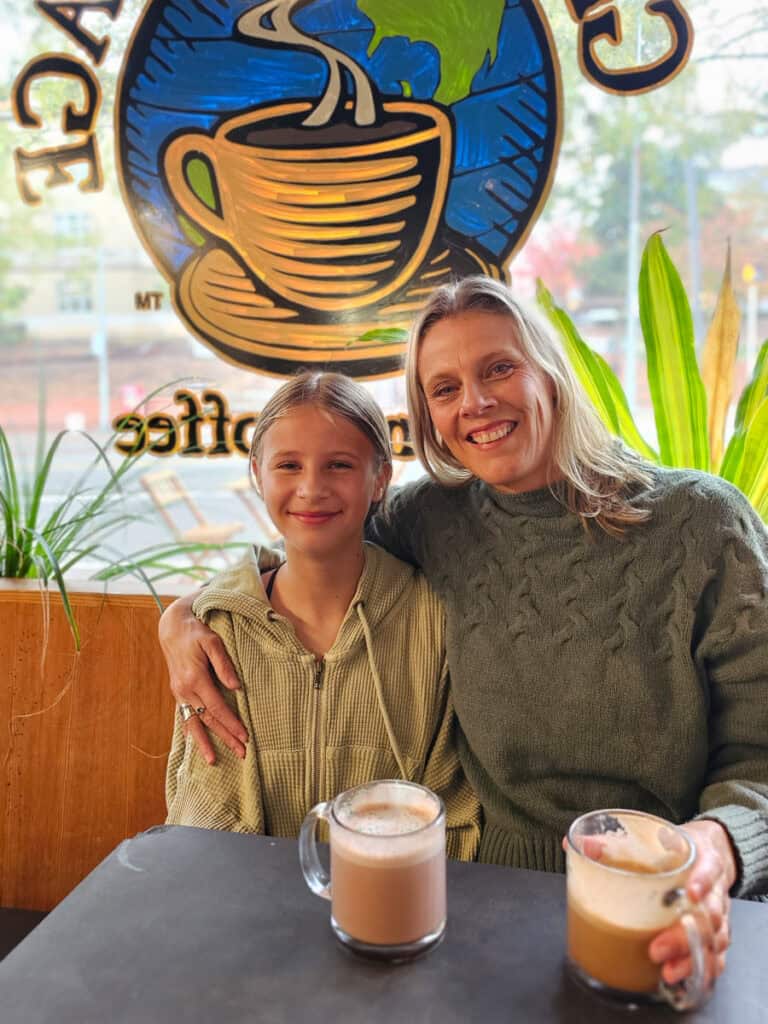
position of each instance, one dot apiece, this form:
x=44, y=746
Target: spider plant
x=690, y=406
x=47, y=547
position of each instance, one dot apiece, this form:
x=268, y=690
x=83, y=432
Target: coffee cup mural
x=310, y=171
x=331, y=218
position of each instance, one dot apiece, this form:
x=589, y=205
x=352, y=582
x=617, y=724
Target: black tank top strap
x=271, y=582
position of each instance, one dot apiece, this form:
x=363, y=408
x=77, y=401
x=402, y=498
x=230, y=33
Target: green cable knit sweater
x=594, y=672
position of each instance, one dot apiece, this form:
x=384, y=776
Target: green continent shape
x=462, y=32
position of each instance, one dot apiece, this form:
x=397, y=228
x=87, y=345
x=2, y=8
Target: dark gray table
x=184, y=925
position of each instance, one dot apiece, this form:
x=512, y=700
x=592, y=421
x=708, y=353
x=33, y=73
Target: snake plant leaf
x=752, y=476
x=677, y=391
x=734, y=453
x=596, y=376
x=754, y=393
x=718, y=360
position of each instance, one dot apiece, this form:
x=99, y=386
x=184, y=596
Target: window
x=74, y=295
x=72, y=224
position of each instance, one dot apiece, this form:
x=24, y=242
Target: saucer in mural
x=247, y=324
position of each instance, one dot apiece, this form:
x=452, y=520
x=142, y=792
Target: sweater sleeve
x=396, y=529
x=225, y=795
x=732, y=653
x=443, y=774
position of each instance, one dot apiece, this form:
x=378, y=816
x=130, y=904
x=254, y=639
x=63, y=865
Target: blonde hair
x=336, y=394
x=595, y=473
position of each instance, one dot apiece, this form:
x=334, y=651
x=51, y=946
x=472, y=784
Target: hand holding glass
x=627, y=873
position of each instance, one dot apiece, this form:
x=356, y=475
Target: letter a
x=67, y=16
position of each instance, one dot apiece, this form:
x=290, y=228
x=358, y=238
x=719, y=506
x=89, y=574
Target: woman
x=607, y=625
x=339, y=647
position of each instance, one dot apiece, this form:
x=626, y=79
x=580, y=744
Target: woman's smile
x=485, y=437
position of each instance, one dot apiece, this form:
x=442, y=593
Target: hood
x=382, y=586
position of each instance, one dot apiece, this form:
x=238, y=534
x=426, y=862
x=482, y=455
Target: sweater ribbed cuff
x=748, y=831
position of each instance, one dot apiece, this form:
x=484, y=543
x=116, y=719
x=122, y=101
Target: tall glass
x=387, y=884
x=627, y=873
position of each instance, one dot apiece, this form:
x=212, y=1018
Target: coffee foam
x=387, y=832
x=390, y=819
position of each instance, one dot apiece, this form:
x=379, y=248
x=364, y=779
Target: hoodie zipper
x=317, y=686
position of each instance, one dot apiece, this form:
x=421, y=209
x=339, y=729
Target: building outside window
x=74, y=295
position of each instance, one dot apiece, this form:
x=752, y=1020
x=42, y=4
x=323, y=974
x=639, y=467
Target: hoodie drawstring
x=380, y=691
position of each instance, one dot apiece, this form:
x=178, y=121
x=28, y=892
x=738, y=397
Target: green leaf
x=752, y=476
x=734, y=453
x=383, y=335
x=53, y=568
x=677, y=391
x=597, y=378
x=754, y=393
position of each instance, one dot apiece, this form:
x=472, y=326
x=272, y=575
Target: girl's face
x=318, y=476
x=493, y=409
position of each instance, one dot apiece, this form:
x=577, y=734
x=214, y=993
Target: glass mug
x=627, y=873
x=387, y=884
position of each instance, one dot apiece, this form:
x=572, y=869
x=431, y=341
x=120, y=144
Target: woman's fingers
x=194, y=653
x=225, y=724
x=220, y=662
x=195, y=728
x=221, y=721
x=671, y=947
x=674, y=971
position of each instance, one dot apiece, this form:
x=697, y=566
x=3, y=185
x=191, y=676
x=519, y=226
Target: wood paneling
x=83, y=737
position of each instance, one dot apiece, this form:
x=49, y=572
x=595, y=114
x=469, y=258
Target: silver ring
x=187, y=711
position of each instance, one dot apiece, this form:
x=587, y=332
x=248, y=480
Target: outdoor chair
x=168, y=493
x=244, y=490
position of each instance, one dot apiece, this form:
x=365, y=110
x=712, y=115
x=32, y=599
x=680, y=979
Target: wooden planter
x=83, y=737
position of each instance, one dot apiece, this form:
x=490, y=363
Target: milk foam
x=389, y=819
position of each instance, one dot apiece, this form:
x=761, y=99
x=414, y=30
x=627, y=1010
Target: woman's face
x=318, y=475
x=493, y=409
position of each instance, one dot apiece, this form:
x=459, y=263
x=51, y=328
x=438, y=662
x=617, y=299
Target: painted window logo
x=304, y=172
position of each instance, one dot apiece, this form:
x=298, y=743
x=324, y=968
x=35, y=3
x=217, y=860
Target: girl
x=339, y=648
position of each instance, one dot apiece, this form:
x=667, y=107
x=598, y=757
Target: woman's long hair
x=594, y=474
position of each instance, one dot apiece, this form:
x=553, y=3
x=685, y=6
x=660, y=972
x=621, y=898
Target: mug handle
x=173, y=162
x=315, y=875
x=691, y=991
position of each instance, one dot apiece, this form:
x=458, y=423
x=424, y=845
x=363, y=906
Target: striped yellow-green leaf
x=754, y=393
x=597, y=378
x=734, y=453
x=718, y=361
x=677, y=392
x=752, y=476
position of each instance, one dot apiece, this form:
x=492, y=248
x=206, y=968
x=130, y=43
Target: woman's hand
x=194, y=654
x=712, y=876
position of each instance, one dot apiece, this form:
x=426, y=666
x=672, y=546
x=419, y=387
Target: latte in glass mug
x=387, y=884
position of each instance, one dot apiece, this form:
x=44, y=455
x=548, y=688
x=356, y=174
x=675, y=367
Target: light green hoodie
x=376, y=706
